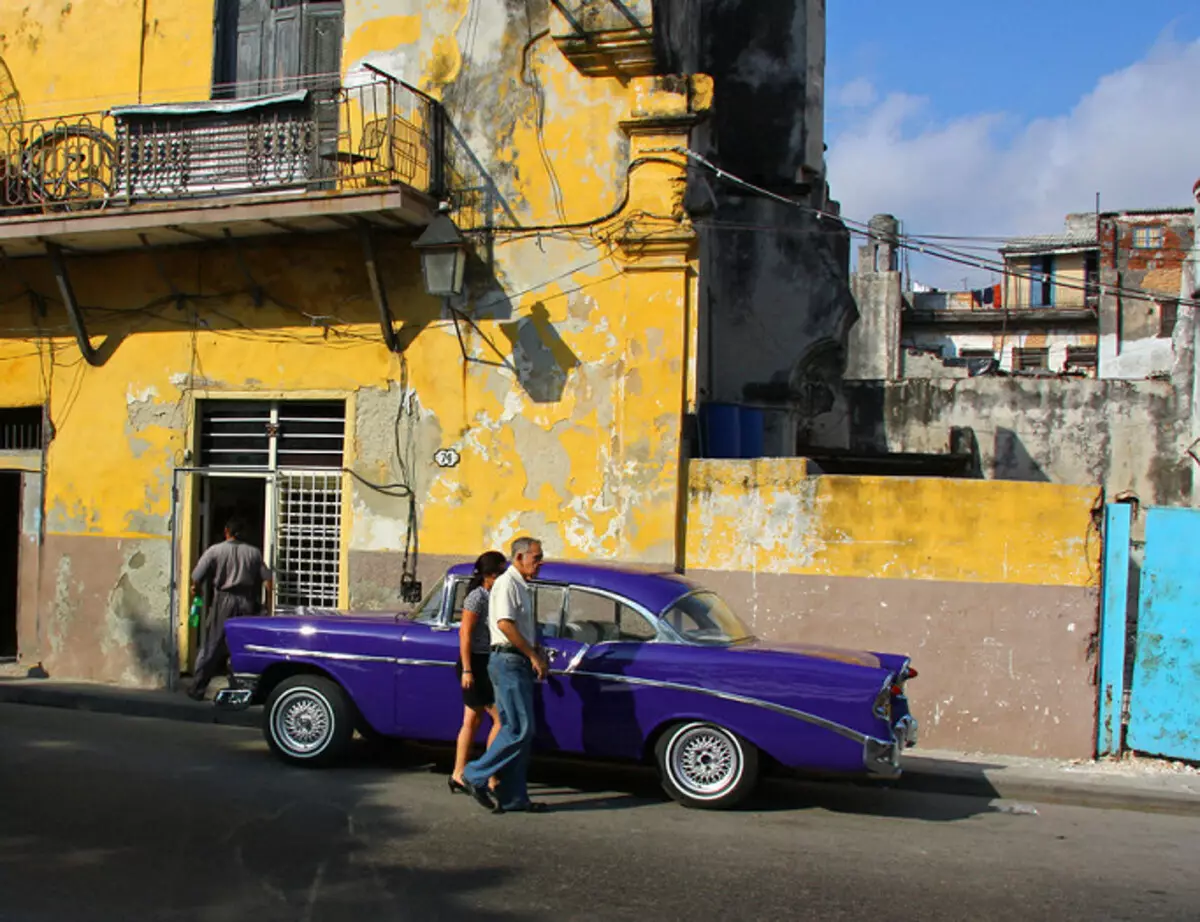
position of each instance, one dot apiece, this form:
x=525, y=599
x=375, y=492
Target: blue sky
x=987, y=118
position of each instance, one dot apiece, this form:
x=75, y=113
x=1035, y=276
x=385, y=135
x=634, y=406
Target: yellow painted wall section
x=770, y=516
x=87, y=55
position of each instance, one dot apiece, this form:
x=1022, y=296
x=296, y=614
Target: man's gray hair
x=524, y=545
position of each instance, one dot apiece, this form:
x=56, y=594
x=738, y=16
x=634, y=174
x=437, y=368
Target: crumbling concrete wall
x=991, y=588
x=1121, y=435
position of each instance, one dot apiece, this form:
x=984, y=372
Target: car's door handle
x=552, y=654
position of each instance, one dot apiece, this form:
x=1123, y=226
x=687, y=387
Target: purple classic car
x=644, y=666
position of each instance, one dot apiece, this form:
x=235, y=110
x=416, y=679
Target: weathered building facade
x=213, y=304
x=1040, y=385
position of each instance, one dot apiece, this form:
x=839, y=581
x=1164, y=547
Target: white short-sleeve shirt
x=509, y=600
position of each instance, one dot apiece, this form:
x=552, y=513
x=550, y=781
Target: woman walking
x=474, y=645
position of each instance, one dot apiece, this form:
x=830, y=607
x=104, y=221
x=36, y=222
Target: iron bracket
x=54, y=251
x=378, y=290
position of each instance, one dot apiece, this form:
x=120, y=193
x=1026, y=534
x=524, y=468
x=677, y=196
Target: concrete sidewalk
x=1139, y=784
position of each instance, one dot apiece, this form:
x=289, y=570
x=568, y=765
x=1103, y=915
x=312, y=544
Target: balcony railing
x=608, y=38
x=378, y=132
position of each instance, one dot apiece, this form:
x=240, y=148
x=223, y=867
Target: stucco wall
x=991, y=587
x=1122, y=435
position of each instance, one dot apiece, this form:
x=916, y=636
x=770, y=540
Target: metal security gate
x=1163, y=641
x=308, y=538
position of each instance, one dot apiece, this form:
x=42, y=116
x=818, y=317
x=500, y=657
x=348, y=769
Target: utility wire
x=925, y=245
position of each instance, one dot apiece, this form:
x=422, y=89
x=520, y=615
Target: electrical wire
x=923, y=245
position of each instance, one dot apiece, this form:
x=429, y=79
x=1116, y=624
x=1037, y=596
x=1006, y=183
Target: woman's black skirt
x=481, y=694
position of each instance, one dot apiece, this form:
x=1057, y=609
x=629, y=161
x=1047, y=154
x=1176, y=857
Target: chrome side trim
x=346, y=657
x=320, y=654
x=739, y=699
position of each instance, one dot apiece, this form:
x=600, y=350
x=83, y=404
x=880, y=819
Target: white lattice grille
x=308, y=539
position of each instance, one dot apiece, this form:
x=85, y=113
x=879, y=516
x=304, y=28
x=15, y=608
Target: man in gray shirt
x=517, y=658
x=238, y=573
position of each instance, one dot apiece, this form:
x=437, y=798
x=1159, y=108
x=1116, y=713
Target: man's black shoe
x=481, y=796
x=196, y=694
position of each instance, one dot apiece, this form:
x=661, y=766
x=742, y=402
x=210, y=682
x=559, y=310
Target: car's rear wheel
x=308, y=720
x=706, y=766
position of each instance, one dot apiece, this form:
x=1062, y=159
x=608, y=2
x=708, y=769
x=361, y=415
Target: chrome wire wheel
x=705, y=761
x=303, y=722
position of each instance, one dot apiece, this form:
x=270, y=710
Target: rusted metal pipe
x=54, y=251
x=378, y=291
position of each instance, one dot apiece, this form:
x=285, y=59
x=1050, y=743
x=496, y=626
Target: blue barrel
x=753, y=429
x=720, y=430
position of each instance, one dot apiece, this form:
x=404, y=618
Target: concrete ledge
x=1047, y=781
x=933, y=772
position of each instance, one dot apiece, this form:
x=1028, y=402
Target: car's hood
x=817, y=651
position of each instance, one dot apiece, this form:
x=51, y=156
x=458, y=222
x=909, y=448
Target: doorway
x=226, y=497
x=10, y=552
x=222, y=498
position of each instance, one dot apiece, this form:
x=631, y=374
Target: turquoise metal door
x=1164, y=707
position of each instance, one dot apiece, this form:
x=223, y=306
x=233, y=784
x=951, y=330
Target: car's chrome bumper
x=239, y=695
x=882, y=757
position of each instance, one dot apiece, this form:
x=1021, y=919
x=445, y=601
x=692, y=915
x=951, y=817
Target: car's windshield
x=431, y=607
x=703, y=617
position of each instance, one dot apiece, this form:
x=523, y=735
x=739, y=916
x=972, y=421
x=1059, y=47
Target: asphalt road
x=118, y=818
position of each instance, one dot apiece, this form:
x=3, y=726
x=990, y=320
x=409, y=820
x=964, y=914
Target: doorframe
x=30, y=466
x=185, y=520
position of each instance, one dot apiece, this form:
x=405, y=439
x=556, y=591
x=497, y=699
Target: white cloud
x=1135, y=138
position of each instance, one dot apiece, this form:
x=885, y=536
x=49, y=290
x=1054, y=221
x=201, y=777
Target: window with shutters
x=296, y=434
x=276, y=46
x=20, y=428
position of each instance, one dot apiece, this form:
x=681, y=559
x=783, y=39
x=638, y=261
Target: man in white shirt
x=516, y=659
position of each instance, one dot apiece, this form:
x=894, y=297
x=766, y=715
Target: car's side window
x=431, y=607
x=458, y=590
x=547, y=607
x=594, y=618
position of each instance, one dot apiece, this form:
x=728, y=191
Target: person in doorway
x=516, y=658
x=237, y=573
x=474, y=643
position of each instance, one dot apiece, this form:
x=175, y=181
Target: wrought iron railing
x=57, y=165
x=377, y=132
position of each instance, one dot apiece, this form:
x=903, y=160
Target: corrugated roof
x=1046, y=243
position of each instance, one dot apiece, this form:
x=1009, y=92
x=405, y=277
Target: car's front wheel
x=308, y=720
x=706, y=766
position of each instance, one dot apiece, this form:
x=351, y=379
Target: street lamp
x=443, y=256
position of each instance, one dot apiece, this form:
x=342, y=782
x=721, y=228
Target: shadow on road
x=577, y=785
x=184, y=822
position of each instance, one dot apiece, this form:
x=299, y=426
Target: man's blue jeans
x=508, y=756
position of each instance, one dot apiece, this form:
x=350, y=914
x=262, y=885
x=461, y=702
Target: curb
x=1007, y=784
x=920, y=776
x=161, y=705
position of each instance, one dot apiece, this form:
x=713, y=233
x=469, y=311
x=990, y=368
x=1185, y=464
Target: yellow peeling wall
x=990, y=586
x=70, y=56
x=566, y=418
x=770, y=516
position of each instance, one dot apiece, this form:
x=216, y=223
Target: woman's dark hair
x=490, y=563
